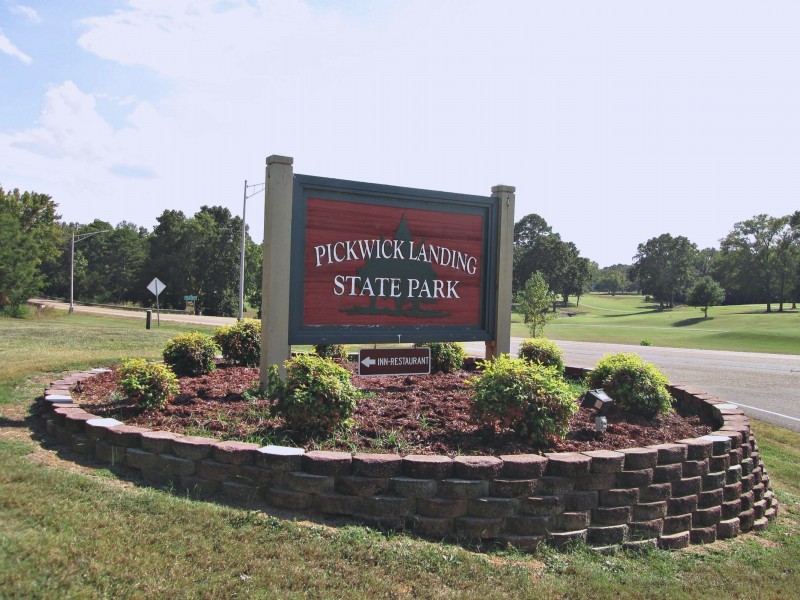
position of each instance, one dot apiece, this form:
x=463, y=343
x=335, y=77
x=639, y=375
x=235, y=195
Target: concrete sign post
x=156, y=287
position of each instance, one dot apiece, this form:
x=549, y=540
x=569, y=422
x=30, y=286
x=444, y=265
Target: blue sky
x=616, y=121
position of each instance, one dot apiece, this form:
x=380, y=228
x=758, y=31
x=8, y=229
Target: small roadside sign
x=190, y=298
x=156, y=287
x=394, y=361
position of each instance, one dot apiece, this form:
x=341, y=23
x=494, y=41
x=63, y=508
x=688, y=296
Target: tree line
x=197, y=255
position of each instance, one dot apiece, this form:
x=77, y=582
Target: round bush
x=316, y=395
x=446, y=357
x=240, y=342
x=150, y=384
x=543, y=352
x=633, y=384
x=331, y=350
x=532, y=399
x=191, y=354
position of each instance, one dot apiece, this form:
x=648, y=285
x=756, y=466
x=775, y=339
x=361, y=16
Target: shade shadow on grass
x=692, y=321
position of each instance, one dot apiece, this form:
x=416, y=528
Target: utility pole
x=75, y=238
x=244, y=232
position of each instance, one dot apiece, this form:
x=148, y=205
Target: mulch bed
x=424, y=414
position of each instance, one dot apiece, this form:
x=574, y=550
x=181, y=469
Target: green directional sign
x=190, y=298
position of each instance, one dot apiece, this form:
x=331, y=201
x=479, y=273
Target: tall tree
x=705, y=293
x=19, y=277
x=664, y=267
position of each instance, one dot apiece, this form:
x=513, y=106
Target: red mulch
x=424, y=414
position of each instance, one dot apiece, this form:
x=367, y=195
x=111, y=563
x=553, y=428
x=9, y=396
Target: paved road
x=766, y=386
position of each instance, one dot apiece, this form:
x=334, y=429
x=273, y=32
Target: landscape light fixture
x=600, y=424
x=598, y=400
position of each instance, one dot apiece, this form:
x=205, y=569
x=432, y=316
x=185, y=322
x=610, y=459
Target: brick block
x=668, y=473
x=215, y=471
x=682, y=505
x=735, y=455
x=338, y=504
x=254, y=475
x=158, y=442
x=491, y=507
x=714, y=481
x=732, y=491
x=596, y=481
x=731, y=510
x=554, y=486
x=719, y=463
x=388, y=506
x=637, y=459
x=462, y=488
x=605, y=461
x=677, y=524
x=125, y=435
x=747, y=466
x=746, y=520
x=139, y=459
x=408, y=487
x=115, y=455
x=728, y=528
x=300, y=481
x=542, y=506
x=617, y=515
x=377, y=465
x=697, y=448
x=634, y=479
x=288, y=499
x=326, y=463
x=237, y=490
x=571, y=521
x=175, y=465
x=747, y=483
x=747, y=499
x=669, y=453
x=582, y=500
x=476, y=467
x=619, y=497
x=524, y=525
x=566, y=539
x=703, y=535
x=606, y=536
x=234, y=453
x=710, y=498
x=733, y=474
x=512, y=488
x=760, y=508
x=527, y=543
x=675, y=541
x=432, y=527
x=442, y=508
x=427, y=467
x=706, y=517
x=522, y=466
x=362, y=485
x=720, y=444
x=695, y=468
x=381, y=522
x=477, y=528
x=82, y=445
x=656, y=492
x=279, y=458
x=193, y=447
x=649, y=511
x=63, y=437
x=758, y=491
x=197, y=486
x=75, y=421
x=645, y=530
x=687, y=486
x=567, y=464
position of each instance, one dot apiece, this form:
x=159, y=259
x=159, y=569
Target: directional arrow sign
x=156, y=286
x=394, y=361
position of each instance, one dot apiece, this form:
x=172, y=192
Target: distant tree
x=253, y=274
x=217, y=259
x=19, y=277
x=529, y=229
x=705, y=293
x=664, y=267
x=172, y=257
x=610, y=281
x=534, y=302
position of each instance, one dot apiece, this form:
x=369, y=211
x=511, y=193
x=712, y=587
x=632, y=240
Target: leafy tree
x=217, y=258
x=253, y=274
x=171, y=257
x=610, y=281
x=534, y=302
x=706, y=292
x=19, y=278
x=664, y=267
x=529, y=229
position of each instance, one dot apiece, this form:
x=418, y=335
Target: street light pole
x=241, y=262
x=82, y=236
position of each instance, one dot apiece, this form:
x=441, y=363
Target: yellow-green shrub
x=240, y=342
x=150, y=384
x=542, y=351
x=633, y=384
x=191, y=354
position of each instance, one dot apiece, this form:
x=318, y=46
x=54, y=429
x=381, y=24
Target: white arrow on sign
x=368, y=362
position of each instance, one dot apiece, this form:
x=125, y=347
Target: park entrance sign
x=372, y=263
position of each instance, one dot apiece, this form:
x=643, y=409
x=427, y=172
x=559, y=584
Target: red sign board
x=394, y=361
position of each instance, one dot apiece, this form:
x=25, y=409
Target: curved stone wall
x=667, y=495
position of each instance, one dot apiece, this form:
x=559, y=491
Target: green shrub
x=191, y=354
x=633, y=384
x=646, y=342
x=532, y=399
x=543, y=352
x=446, y=357
x=315, y=397
x=240, y=342
x=331, y=350
x=150, y=384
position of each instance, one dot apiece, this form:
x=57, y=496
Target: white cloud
x=8, y=47
x=25, y=11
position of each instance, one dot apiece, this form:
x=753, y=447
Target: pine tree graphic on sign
x=403, y=269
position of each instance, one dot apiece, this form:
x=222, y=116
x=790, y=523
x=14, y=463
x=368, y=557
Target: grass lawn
x=624, y=319
x=72, y=530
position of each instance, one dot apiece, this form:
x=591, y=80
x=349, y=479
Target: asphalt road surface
x=765, y=386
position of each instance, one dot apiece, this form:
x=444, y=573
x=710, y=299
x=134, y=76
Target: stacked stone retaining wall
x=693, y=491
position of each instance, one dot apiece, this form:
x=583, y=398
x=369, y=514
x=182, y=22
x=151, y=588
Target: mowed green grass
x=88, y=532
x=624, y=319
